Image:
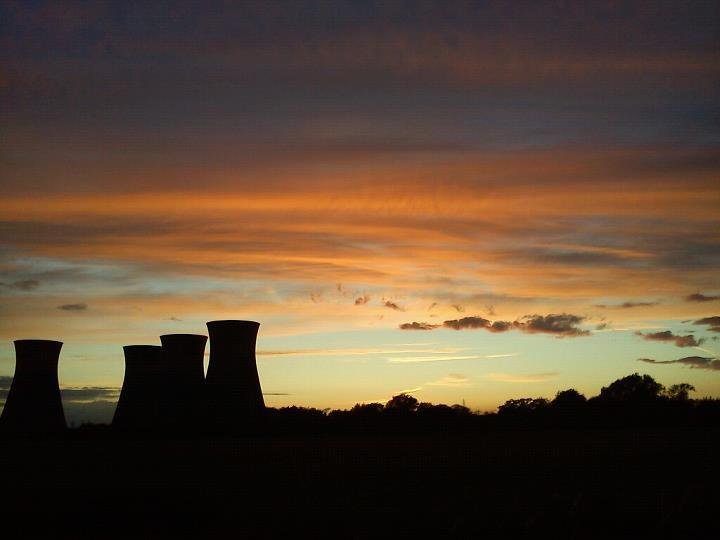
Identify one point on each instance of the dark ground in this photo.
(568, 484)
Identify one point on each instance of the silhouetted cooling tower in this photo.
(141, 398)
(183, 356)
(233, 385)
(34, 404)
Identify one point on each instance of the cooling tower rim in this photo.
(36, 341)
(232, 322)
(187, 336)
(138, 347)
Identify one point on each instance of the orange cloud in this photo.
(486, 234)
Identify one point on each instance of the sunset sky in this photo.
(468, 201)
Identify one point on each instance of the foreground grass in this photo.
(510, 483)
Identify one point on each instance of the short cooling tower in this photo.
(182, 395)
(33, 404)
(232, 382)
(141, 398)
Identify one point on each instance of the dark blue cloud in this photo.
(241, 82)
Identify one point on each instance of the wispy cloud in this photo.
(421, 359)
(22, 285)
(392, 305)
(408, 390)
(699, 297)
(521, 378)
(626, 305)
(87, 394)
(73, 307)
(452, 380)
(694, 362)
(713, 323)
(668, 336)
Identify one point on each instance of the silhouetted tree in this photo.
(461, 410)
(367, 409)
(522, 406)
(300, 413)
(634, 388)
(402, 403)
(568, 399)
(431, 410)
(680, 392)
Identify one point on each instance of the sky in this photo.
(466, 201)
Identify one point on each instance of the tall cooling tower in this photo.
(141, 397)
(182, 356)
(232, 382)
(33, 404)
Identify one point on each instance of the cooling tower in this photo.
(34, 405)
(141, 398)
(232, 382)
(182, 357)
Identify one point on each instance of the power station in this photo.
(164, 387)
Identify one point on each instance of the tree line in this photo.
(632, 401)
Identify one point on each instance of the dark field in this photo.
(522, 483)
